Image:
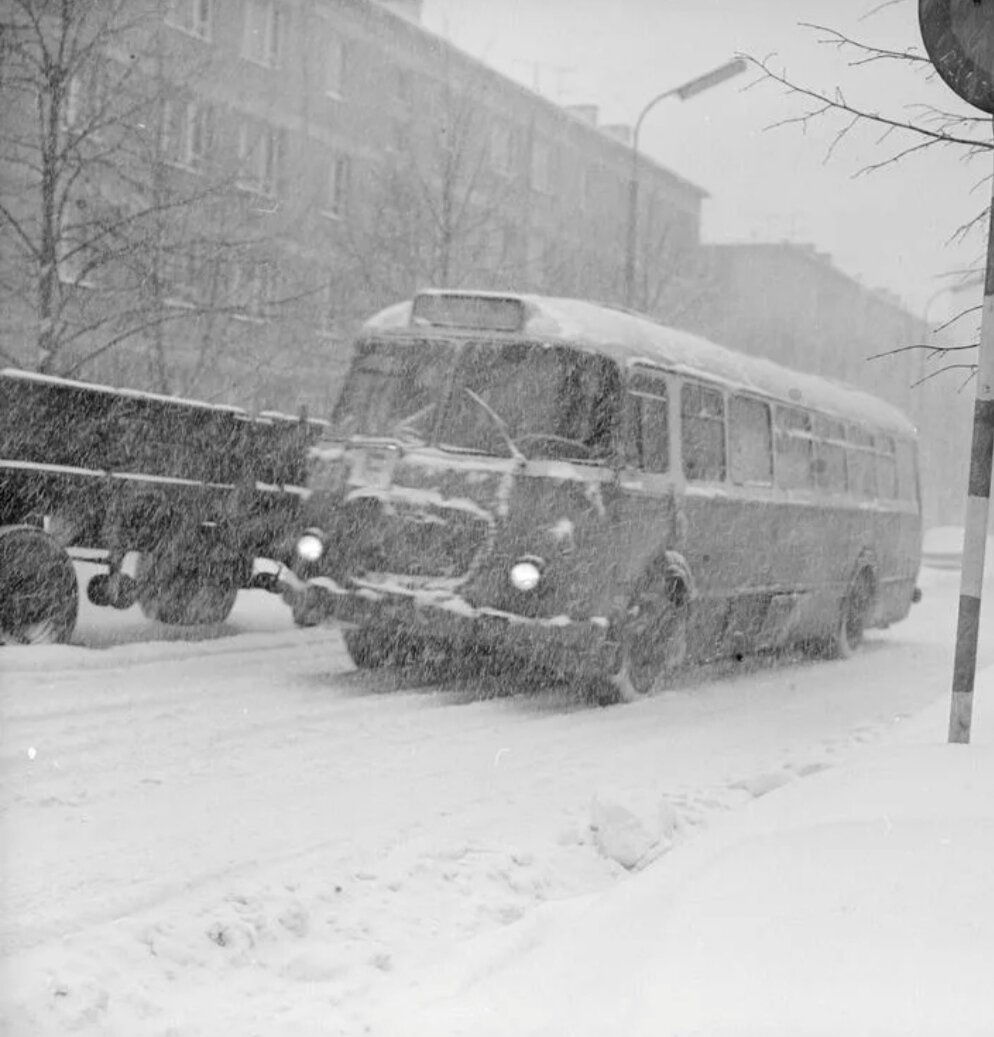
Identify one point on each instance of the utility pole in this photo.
(959, 40)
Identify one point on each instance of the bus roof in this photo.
(630, 339)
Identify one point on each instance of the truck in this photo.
(198, 491)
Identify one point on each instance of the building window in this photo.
(188, 133)
(334, 66)
(500, 147)
(73, 104)
(89, 100)
(251, 287)
(191, 16)
(403, 86)
(70, 251)
(537, 253)
(183, 275)
(330, 302)
(336, 185)
(261, 157)
(541, 178)
(263, 32)
(400, 134)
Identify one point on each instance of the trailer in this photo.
(199, 491)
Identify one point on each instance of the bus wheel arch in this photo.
(653, 637)
(854, 610)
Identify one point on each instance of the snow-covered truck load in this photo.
(199, 491)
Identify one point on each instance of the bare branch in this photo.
(869, 52)
(838, 103)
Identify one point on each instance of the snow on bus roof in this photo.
(132, 394)
(631, 339)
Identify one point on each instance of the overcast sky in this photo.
(891, 228)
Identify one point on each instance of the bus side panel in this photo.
(745, 552)
(733, 558)
(897, 547)
(820, 548)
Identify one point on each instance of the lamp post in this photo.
(688, 89)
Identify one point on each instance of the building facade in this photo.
(237, 183)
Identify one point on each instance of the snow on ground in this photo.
(942, 548)
(242, 835)
(857, 902)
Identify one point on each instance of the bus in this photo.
(598, 496)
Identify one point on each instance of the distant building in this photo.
(789, 302)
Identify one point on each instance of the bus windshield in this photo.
(393, 390)
(534, 401)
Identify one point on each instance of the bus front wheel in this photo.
(653, 642)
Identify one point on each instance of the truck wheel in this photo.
(186, 582)
(39, 595)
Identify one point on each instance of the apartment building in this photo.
(244, 180)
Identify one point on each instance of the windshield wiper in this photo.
(499, 422)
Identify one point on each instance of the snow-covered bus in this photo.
(598, 495)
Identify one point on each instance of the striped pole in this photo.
(977, 509)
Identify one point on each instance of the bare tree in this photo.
(440, 206)
(899, 135)
(128, 250)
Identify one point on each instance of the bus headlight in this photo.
(526, 573)
(310, 546)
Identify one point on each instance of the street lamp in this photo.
(688, 89)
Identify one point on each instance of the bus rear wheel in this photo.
(851, 623)
(653, 643)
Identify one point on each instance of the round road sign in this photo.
(959, 39)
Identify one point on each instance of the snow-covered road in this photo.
(243, 835)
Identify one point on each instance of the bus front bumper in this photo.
(559, 643)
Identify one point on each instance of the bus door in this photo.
(726, 460)
(646, 515)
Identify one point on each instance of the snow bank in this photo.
(854, 901)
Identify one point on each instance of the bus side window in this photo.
(830, 460)
(648, 409)
(750, 441)
(793, 449)
(886, 467)
(702, 412)
(907, 480)
(862, 464)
